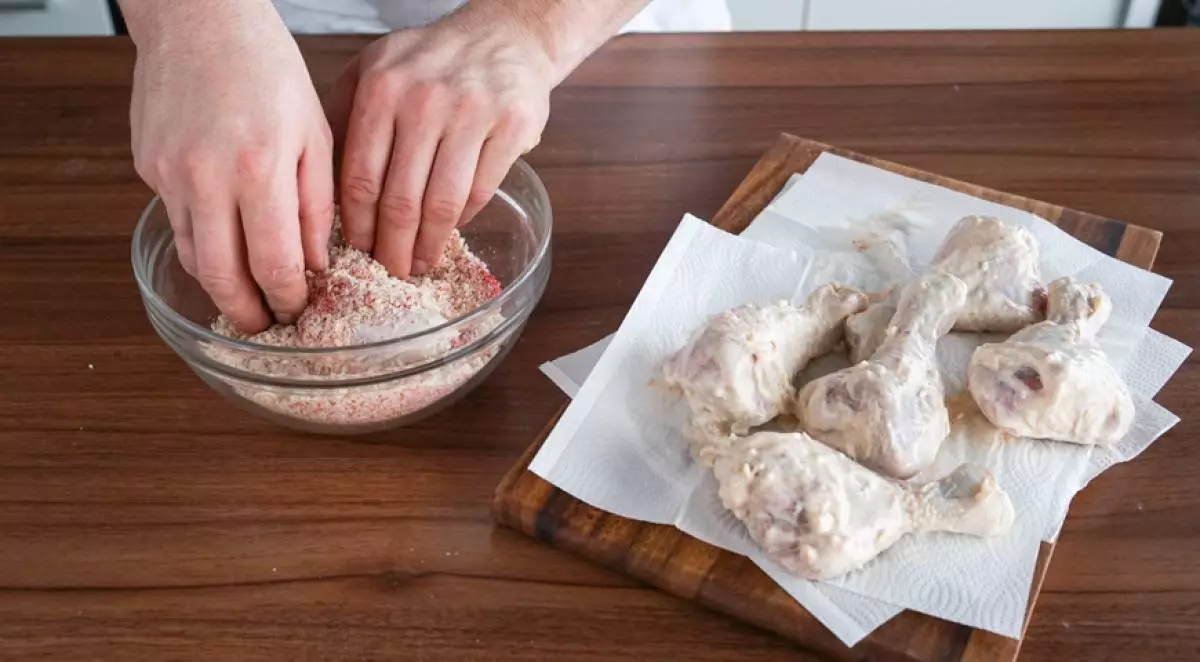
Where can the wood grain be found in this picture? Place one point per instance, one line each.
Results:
(142, 518)
(679, 564)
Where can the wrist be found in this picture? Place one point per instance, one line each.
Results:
(518, 26)
(156, 25)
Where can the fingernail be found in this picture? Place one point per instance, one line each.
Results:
(419, 267)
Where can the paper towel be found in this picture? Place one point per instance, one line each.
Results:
(1004, 597)
(640, 466)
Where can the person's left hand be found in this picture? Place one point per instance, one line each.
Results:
(429, 122)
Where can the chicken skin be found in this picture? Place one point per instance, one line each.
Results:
(1052, 380)
(889, 412)
(822, 515)
(737, 372)
(999, 264)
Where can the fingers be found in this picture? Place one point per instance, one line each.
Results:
(499, 153)
(446, 194)
(269, 204)
(403, 193)
(221, 266)
(340, 103)
(181, 228)
(368, 148)
(315, 178)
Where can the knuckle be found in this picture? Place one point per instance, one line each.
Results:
(515, 117)
(360, 189)
(221, 286)
(378, 86)
(425, 98)
(443, 211)
(479, 197)
(254, 164)
(400, 209)
(199, 168)
(278, 276)
(324, 209)
(521, 123)
(159, 168)
(473, 102)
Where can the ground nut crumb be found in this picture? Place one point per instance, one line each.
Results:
(356, 302)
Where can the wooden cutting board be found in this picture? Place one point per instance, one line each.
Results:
(677, 563)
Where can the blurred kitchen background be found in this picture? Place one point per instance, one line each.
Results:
(101, 17)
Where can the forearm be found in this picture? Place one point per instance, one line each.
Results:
(568, 31)
(153, 21)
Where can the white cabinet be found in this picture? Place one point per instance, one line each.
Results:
(59, 18)
(963, 14)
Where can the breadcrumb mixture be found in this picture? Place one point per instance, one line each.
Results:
(356, 302)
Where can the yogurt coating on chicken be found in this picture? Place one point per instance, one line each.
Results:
(999, 264)
(889, 412)
(1052, 380)
(822, 515)
(737, 372)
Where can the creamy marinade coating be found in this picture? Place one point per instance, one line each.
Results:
(889, 412)
(821, 514)
(737, 371)
(1052, 380)
(999, 265)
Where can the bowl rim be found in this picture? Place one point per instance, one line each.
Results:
(206, 334)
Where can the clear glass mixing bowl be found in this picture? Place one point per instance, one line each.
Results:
(365, 388)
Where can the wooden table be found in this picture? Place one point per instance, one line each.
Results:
(142, 518)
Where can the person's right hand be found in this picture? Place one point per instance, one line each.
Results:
(228, 130)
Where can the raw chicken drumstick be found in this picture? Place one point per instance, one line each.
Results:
(737, 371)
(821, 514)
(889, 412)
(1052, 380)
(866, 331)
(999, 264)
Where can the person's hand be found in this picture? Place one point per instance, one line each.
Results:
(228, 130)
(433, 118)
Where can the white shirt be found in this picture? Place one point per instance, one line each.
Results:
(381, 16)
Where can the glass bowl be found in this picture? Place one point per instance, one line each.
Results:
(364, 388)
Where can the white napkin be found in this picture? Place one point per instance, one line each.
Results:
(982, 583)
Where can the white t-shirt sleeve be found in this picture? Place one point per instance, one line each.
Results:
(381, 16)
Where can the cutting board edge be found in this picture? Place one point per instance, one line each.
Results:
(752, 195)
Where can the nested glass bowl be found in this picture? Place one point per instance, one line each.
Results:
(364, 388)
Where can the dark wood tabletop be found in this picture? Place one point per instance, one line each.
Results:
(143, 518)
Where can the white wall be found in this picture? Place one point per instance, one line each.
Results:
(57, 18)
(940, 14)
(767, 14)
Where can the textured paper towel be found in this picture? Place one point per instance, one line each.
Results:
(1000, 596)
(837, 196)
(701, 272)
(631, 458)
